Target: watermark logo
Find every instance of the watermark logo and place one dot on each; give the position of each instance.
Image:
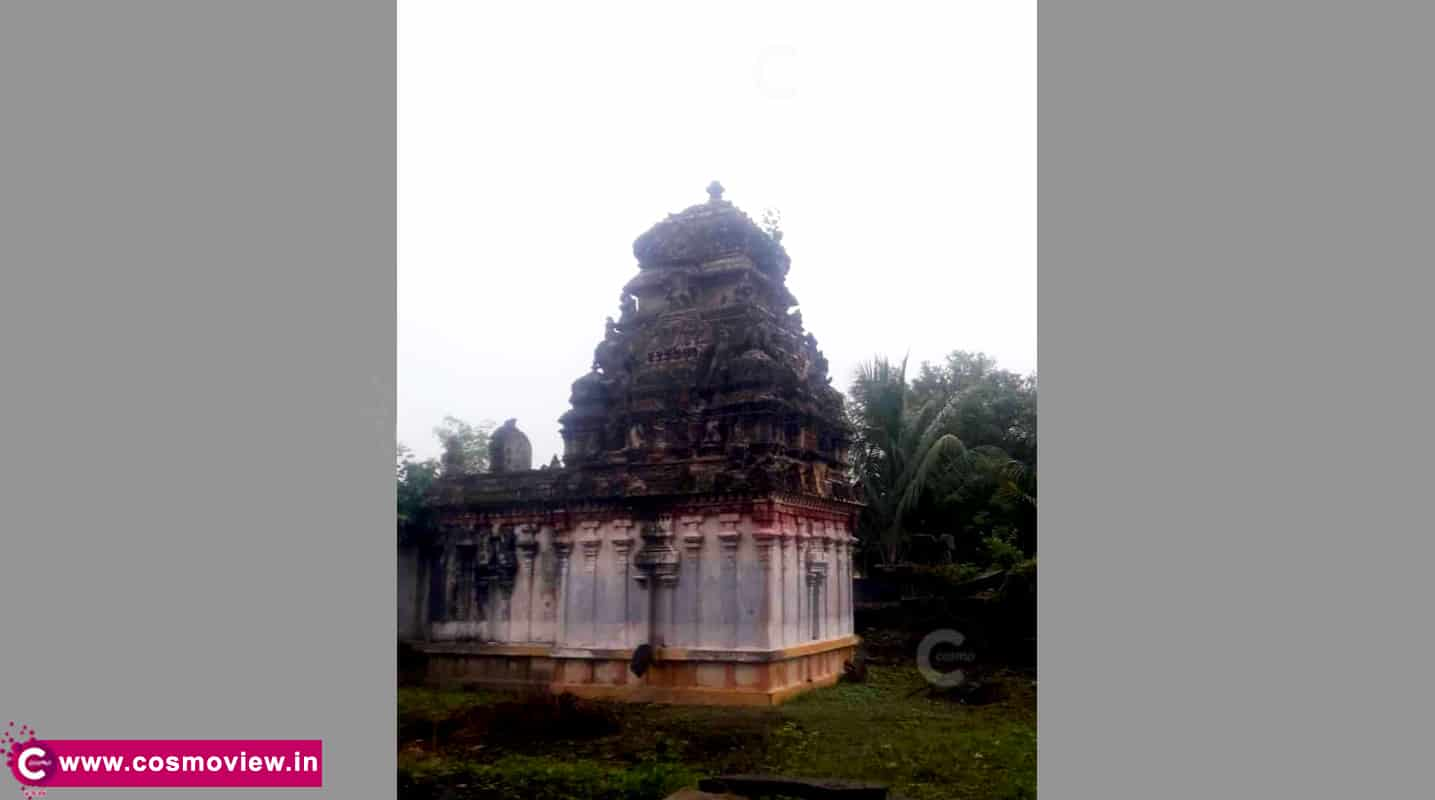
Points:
(35, 762)
(30, 760)
(942, 658)
(39, 766)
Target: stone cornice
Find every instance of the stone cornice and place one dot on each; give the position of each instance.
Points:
(543, 510)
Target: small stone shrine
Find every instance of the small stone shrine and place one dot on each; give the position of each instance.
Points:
(695, 544)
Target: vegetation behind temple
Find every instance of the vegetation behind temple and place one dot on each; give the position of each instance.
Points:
(946, 462)
(465, 449)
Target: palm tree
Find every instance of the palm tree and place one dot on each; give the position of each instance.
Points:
(901, 449)
(898, 450)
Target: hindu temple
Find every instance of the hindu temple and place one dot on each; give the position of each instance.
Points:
(695, 543)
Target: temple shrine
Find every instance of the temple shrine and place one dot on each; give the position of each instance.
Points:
(695, 543)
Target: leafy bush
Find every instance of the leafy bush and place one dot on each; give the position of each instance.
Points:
(953, 574)
(1001, 549)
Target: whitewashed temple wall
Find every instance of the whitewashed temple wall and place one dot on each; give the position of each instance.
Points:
(713, 581)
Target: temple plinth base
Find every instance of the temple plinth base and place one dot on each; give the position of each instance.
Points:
(677, 675)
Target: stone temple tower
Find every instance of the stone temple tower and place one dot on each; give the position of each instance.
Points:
(695, 545)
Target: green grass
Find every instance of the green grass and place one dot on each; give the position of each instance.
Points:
(887, 730)
(542, 778)
(433, 705)
(919, 745)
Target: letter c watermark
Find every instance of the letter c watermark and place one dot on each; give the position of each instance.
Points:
(22, 763)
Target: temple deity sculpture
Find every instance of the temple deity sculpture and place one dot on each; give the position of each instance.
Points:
(713, 432)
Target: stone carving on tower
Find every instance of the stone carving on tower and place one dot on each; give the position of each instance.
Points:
(709, 383)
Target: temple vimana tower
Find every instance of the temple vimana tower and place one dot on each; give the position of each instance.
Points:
(695, 545)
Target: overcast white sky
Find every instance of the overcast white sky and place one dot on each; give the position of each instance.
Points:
(536, 141)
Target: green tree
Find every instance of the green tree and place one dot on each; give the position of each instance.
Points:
(938, 459)
(997, 413)
(997, 407)
(900, 448)
(465, 453)
(465, 446)
(414, 479)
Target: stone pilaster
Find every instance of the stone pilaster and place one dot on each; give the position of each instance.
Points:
(585, 594)
(500, 588)
(690, 581)
(729, 539)
(831, 582)
(788, 579)
(618, 605)
(667, 574)
(523, 585)
(816, 577)
(851, 552)
(563, 551)
(483, 609)
(658, 572)
(452, 597)
(765, 541)
(802, 545)
(841, 580)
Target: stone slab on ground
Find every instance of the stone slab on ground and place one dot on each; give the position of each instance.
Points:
(807, 788)
(698, 794)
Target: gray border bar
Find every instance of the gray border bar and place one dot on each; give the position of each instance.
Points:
(1234, 206)
(198, 316)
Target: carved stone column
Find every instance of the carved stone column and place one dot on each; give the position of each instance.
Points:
(657, 565)
(816, 577)
(851, 551)
(831, 581)
(802, 545)
(449, 609)
(762, 597)
(501, 573)
(481, 608)
(460, 592)
(563, 551)
(790, 580)
(728, 540)
(769, 622)
(619, 606)
(841, 581)
(690, 582)
(585, 595)
(523, 587)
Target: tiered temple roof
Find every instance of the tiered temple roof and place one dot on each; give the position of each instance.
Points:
(705, 383)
